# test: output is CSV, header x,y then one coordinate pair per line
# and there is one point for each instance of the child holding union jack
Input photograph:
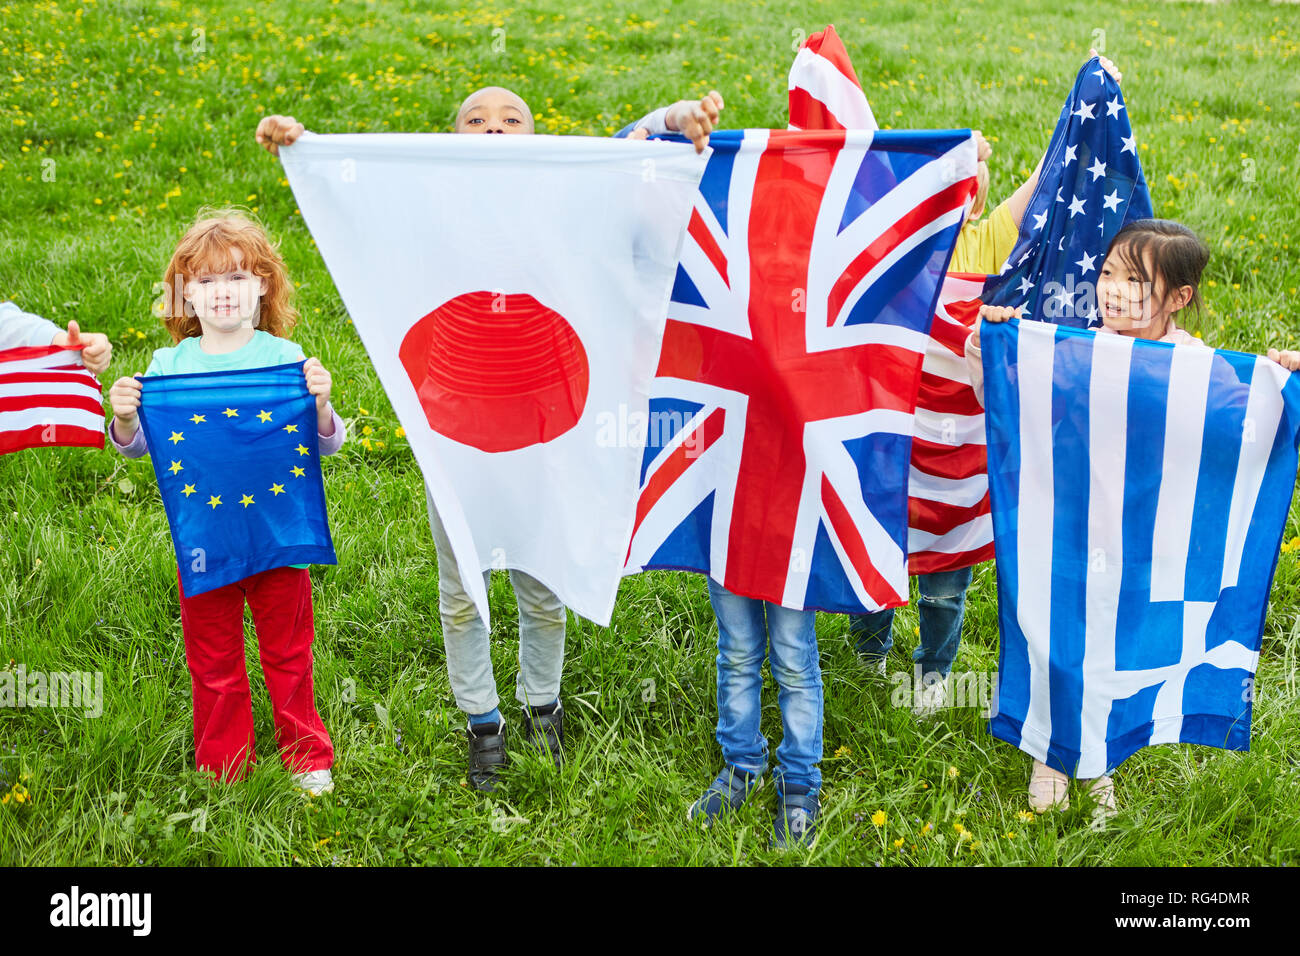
x,y
1151,274
542,616
236,313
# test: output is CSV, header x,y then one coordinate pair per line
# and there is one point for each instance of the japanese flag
x,y
511,292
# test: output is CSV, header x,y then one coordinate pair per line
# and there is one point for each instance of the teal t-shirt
x,y
186,357
263,350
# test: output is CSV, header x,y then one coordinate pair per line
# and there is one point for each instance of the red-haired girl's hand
x,y
124,397
318,383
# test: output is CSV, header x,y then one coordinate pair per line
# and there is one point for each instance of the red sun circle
x,y
497,371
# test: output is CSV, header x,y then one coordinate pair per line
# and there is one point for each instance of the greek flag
x,y
1140,492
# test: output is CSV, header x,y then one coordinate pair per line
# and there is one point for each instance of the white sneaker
x,y
873,664
930,699
314,782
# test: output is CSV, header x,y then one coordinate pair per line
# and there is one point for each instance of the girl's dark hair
x,y
1178,255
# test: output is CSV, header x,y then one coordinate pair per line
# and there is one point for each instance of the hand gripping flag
x,y
511,292
1090,185
781,424
1140,492
47,397
239,472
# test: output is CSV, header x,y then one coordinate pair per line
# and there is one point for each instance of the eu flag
x,y
239,472
1090,186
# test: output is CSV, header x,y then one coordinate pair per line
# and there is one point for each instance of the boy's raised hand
x,y
695,119
96,350
276,131
1107,65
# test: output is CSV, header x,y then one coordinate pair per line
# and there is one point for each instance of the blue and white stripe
x,y
1140,492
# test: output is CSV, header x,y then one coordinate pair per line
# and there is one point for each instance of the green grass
x,y
143,130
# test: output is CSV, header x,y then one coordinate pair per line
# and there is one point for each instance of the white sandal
x,y
1048,789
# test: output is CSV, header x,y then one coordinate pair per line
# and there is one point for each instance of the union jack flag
x,y
781,418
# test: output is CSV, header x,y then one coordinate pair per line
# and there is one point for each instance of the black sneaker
x,y
546,730
487,755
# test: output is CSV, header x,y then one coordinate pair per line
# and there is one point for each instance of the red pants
x,y
213,625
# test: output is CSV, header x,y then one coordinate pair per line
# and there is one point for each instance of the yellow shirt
x,y
982,246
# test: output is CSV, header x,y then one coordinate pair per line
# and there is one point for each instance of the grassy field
x,y
118,120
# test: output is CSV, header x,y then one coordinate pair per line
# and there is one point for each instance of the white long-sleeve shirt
x,y
19,328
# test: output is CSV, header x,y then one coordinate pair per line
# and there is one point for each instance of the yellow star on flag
x,y
298,472
303,450
214,500
187,490
246,500
198,419
276,489
291,428
264,415
177,437
231,413
175,467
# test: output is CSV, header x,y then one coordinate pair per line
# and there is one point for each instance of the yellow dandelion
x,y
898,844
959,828
953,772
878,818
1010,834
843,752
927,828
399,432
1025,815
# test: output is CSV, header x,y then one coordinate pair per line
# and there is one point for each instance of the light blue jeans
x,y
747,629
469,653
941,608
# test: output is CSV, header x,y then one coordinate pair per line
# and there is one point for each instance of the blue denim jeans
x,y
747,627
941,608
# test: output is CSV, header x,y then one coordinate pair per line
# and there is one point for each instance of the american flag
x,y
782,414
47,397
1140,493
1090,185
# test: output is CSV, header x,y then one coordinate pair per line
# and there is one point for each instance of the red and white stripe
x,y
48,398
824,89
949,524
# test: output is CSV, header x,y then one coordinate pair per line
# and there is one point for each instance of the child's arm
x,y
19,328
330,430
124,430
974,357
694,119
